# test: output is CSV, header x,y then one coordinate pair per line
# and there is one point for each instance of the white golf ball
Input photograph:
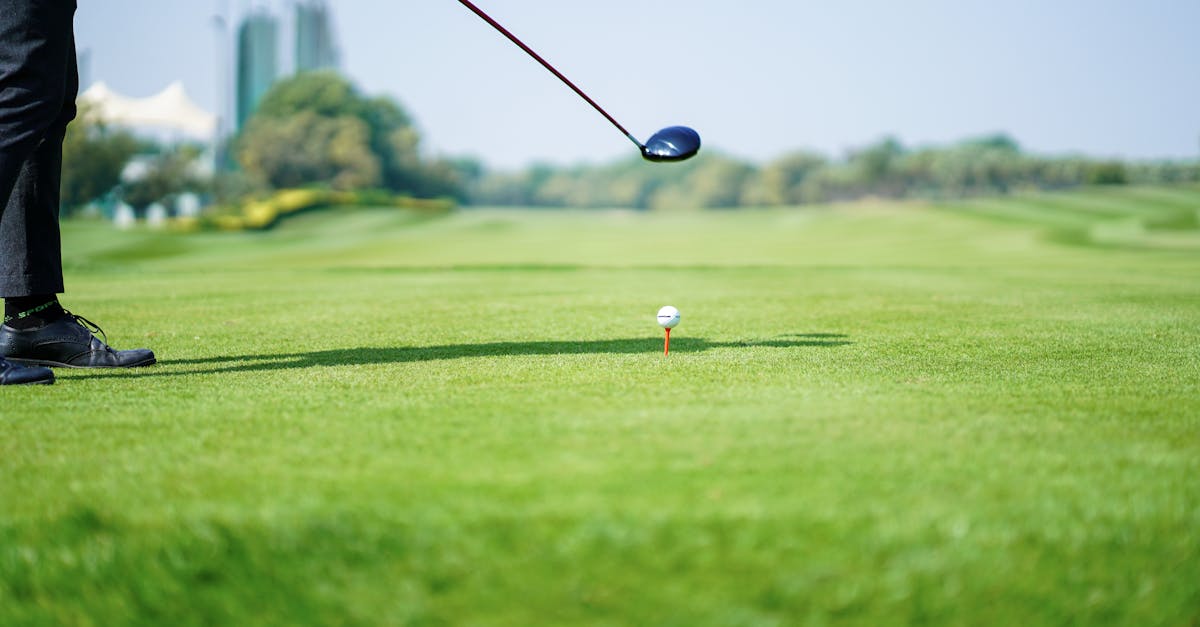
x,y
668,317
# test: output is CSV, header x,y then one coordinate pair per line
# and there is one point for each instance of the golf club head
x,y
674,143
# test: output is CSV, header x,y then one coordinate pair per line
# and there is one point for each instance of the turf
x,y
982,413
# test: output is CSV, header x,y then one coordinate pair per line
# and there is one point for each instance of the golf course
x,y
970,412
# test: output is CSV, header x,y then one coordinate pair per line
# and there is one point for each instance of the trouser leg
x,y
38,83
30,243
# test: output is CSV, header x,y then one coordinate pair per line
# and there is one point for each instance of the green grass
x,y
978,413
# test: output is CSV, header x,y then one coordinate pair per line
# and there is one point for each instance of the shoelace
x,y
89,325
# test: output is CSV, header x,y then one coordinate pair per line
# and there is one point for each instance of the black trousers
x,y
38,84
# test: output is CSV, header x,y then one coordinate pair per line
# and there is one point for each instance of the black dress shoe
x,y
67,342
12,374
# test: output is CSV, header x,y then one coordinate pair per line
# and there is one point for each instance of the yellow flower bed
x,y
264,213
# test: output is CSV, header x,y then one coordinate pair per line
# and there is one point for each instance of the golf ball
x,y
668,317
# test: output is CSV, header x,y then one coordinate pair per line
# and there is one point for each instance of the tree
x,y
306,148
93,157
875,168
317,128
781,182
710,181
170,172
1108,173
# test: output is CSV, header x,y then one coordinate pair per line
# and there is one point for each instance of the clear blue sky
x,y
756,78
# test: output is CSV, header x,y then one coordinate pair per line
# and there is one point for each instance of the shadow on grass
x,y
406,354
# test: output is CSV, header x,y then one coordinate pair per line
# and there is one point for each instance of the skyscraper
x,y
257,61
315,45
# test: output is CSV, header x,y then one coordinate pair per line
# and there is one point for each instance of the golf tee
x,y
667,343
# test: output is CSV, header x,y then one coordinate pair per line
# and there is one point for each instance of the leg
x,y
36,57
38,82
30,242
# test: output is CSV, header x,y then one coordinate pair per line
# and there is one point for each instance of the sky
x,y
757,79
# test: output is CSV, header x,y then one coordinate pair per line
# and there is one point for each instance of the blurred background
x,y
192,109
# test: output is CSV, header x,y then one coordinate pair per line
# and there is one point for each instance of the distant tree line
x,y
886,169
317,130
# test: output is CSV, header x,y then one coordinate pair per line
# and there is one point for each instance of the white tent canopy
x,y
171,109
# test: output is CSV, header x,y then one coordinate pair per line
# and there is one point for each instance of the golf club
x,y
674,143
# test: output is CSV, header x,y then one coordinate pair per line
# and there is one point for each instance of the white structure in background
x,y
123,216
170,116
171,111
187,205
156,214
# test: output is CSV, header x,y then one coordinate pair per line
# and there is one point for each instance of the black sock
x,y
31,312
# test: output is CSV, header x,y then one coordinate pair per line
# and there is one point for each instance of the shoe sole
x,y
55,364
42,382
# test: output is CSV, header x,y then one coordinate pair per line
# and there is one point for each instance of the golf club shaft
x,y
513,38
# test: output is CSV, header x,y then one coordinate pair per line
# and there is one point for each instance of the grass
x,y
974,413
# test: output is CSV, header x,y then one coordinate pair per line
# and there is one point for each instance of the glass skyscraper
x,y
315,45
257,61
258,46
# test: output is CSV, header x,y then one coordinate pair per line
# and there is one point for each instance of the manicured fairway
x,y
985,413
